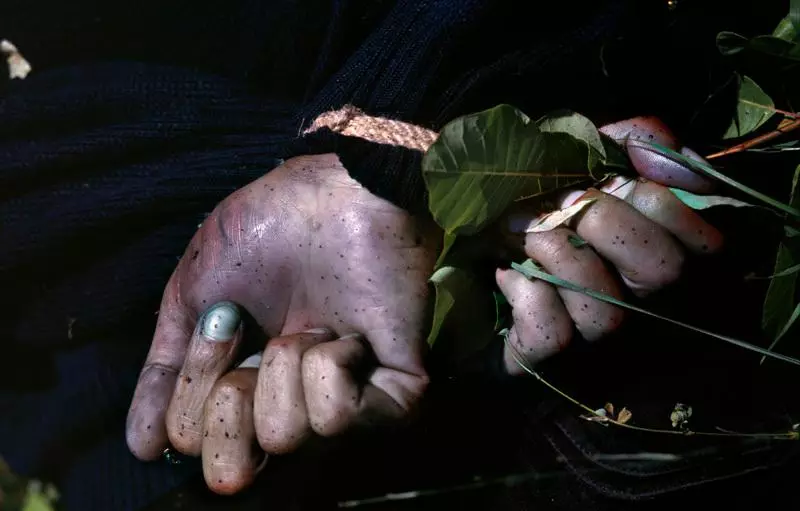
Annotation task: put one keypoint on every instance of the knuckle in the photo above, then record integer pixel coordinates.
(182, 435)
(541, 334)
(226, 391)
(669, 269)
(276, 440)
(280, 431)
(328, 420)
(281, 351)
(318, 361)
(604, 323)
(549, 245)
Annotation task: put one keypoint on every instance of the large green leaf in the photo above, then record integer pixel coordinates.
(781, 299)
(730, 43)
(482, 162)
(753, 109)
(464, 309)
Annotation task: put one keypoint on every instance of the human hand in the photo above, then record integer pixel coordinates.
(281, 247)
(638, 226)
(334, 276)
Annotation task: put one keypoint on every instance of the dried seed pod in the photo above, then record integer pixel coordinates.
(680, 415)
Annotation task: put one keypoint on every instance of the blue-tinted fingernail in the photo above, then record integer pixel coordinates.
(221, 321)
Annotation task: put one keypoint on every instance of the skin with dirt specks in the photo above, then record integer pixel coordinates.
(306, 247)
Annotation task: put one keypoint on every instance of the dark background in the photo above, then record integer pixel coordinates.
(140, 116)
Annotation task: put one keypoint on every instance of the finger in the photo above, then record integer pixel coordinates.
(231, 456)
(281, 416)
(209, 355)
(145, 429)
(646, 255)
(339, 397)
(541, 325)
(634, 135)
(556, 251)
(660, 205)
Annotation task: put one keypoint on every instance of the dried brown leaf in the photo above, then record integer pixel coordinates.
(18, 67)
(552, 220)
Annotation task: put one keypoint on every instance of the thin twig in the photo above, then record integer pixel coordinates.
(789, 435)
(747, 144)
(791, 115)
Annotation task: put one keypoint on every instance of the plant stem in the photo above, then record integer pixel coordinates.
(789, 435)
(791, 115)
(747, 144)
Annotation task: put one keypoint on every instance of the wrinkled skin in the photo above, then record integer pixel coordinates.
(336, 278)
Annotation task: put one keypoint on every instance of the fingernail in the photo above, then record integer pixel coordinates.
(251, 362)
(221, 322)
(317, 331)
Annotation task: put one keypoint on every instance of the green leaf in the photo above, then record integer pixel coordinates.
(791, 232)
(449, 240)
(446, 281)
(794, 13)
(754, 108)
(482, 162)
(500, 306)
(38, 499)
(616, 157)
(785, 273)
(782, 291)
(711, 172)
(581, 128)
(731, 43)
(532, 271)
(788, 325)
(695, 201)
(464, 309)
(576, 241)
(785, 30)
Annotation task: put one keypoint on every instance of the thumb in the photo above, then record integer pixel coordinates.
(634, 134)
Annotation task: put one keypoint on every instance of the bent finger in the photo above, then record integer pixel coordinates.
(646, 255)
(231, 456)
(344, 390)
(145, 429)
(660, 205)
(635, 134)
(281, 415)
(541, 325)
(210, 354)
(556, 251)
